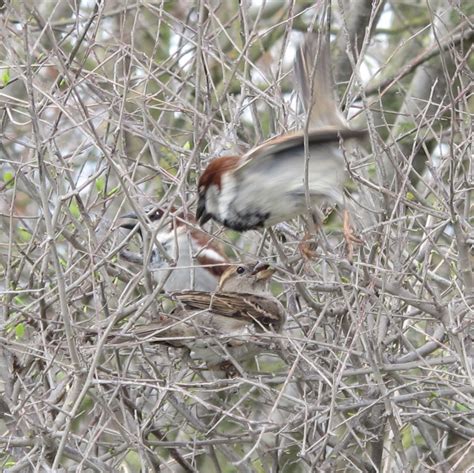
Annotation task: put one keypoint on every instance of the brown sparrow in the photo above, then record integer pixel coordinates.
(266, 185)
(197, 261)
(242, 305)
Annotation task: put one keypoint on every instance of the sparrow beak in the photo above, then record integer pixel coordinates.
(130, 220)
(262, 271)
(202, 216)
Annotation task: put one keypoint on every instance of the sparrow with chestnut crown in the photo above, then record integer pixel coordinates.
(267, 185)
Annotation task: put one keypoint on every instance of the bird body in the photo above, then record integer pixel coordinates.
(269, 184)
(242, 306)
(197, 261)
(241, 200)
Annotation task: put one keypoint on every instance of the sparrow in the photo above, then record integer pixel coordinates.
(197, 262)
(242, 306)
(266, 185)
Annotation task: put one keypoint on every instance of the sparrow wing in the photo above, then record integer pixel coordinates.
(268, 186)
(169, 331)
(182, 328)
(278, 164)
(212, 326)
(282, 158)
(316, 89)
(274, 146)
(247, 308)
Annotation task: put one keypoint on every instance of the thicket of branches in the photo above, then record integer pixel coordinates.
(107, 107)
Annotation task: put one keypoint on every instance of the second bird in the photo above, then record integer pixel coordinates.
(267, 185)
(195, 260)
(209, 323)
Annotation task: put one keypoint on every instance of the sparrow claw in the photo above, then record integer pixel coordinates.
(308, 247)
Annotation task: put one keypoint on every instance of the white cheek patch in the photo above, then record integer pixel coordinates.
(227, 194)
(212, 199)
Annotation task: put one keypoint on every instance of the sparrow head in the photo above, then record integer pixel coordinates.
(130, 220)
(209, 187)
(155, 214)
(247, 278)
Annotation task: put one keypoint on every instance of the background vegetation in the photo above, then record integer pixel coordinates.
(108, 106)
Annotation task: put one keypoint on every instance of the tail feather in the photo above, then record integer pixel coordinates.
(313, 76)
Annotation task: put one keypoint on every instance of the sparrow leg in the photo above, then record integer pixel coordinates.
(308, 246)
(310, 242)
(349, 236)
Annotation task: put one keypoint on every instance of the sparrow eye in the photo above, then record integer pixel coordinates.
(240, 270)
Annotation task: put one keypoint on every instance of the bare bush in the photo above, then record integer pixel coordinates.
(109, 106)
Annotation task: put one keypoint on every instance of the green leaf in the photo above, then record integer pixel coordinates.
(5, 78)
(19, 300)
(258, 466)
(74, 209)
(461, 407)
(453, 270)
(133, 459)
(8, 179)
(24, 234)
(372, 170)
(405, 127)
(20, 331)
(100, 184)
(60, 375)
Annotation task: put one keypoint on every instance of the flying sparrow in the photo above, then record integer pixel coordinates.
(194, 260)
(206, 321)
(267, 185)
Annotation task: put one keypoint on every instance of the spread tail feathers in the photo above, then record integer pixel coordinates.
(313, 76)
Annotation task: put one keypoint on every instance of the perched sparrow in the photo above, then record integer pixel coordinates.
(197, 261)
(266, 185)
(242, 305)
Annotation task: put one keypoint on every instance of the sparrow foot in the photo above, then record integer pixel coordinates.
(308, 247)
(350, 237)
